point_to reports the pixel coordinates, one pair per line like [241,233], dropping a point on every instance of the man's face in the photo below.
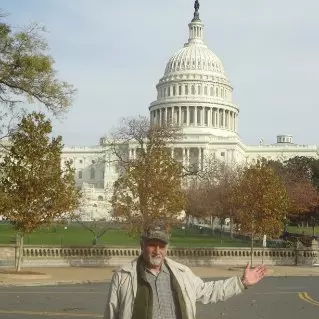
[154,251]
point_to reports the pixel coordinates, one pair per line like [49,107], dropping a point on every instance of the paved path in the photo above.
[275,297]
[53,276]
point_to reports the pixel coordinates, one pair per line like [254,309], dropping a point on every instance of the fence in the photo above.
[54,256]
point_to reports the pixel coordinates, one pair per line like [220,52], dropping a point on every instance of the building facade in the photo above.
[195,94]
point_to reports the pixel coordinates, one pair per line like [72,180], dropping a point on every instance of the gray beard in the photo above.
[155,261]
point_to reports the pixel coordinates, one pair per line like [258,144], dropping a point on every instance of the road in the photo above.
[282,297]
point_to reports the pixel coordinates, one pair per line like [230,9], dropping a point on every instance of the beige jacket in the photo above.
[123,289]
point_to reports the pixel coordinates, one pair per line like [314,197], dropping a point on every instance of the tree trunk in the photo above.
[20,253]
[251,249]
[221,233]
[231,224]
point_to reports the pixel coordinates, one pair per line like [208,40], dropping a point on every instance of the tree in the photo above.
[27,74]
[150,183]
[35,190]
[261,202]
[211,193]
[296,175]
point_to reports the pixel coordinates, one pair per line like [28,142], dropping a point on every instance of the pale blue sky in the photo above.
[114,52]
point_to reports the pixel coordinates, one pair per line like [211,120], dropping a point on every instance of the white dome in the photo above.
[194,92]
[195,58]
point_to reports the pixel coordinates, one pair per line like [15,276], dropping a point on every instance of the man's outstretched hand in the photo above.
[253,275]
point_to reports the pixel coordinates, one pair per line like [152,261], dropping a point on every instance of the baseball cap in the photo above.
[157,231]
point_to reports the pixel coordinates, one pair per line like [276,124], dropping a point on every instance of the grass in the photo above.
[303,230]
[76,235]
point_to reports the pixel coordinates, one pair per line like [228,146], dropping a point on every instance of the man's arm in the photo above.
[112,303]
[213,291]
[220,290]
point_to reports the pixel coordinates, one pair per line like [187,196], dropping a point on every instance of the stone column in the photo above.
[184,157]
[195,115]
[202,158]
[209,116]
[202,116]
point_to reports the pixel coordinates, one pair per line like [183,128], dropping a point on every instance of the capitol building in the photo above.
[195,94]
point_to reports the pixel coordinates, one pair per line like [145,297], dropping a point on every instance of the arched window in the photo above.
[80,174]
[193,89]
[212,91]
[199,90]
[174,90]
[180,90]
[186,89]
[205,90]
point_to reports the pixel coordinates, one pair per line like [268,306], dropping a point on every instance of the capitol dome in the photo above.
[195,58]
[194,92]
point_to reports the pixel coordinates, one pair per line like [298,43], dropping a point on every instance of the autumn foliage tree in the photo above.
[261,202]
[150,183]
[211,192]
[296,175]
[34,189]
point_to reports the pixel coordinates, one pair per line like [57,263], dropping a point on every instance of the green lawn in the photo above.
[76,235]
[303,230]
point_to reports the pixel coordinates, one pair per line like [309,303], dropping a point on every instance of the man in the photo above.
[156,287]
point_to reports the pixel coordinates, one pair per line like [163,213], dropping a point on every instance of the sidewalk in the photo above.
[73,275]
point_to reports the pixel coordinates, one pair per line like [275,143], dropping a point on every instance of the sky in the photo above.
[115,52]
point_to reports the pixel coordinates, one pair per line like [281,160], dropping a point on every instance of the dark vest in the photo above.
[143,303]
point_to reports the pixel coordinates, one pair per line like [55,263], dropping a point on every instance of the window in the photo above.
[169,91]
[180,90]
[193,89]
[80,174]
[199,113]
[174,90]
[199,90]
[92,173]
[81,161]
[100,198]
[186,89]
[93,161]
[184,113]
[205,90]
[222,154]
[212,91]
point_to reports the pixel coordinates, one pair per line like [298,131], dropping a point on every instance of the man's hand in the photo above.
[253,275]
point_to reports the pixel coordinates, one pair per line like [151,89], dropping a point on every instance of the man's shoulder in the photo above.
[172,263]
[127,268]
